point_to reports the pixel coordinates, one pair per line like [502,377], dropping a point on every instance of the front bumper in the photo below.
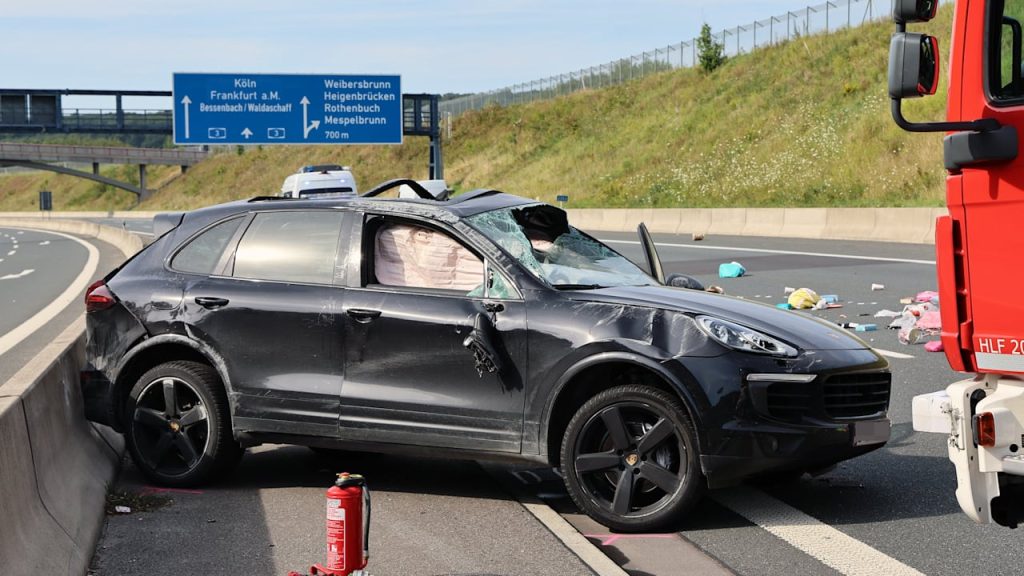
[766,415]
[761,448]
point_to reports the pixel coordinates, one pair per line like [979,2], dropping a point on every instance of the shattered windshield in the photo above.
[540,238]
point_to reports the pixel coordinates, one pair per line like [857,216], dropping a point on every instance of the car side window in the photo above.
[202,253]
[410,256]
[498,287]
[290,247]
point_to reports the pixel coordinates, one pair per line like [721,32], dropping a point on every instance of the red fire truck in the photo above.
[977,250]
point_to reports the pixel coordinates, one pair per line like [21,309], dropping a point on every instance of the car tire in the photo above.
[178,425]
[630,459]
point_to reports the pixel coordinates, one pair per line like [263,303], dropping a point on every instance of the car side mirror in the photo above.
[907,11]
[913,65]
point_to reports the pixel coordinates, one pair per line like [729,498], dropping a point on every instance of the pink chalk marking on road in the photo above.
[159,490]
[609,539]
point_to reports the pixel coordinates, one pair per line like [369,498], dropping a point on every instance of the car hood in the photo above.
[797,328]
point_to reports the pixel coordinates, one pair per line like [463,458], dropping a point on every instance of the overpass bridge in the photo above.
[31,111]
[41,156]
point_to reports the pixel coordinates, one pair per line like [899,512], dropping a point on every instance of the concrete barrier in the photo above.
[39,215]
[911,225]
[55,467]
[31,540]
[728,221]
[123,240]
[763,222]
[694,221]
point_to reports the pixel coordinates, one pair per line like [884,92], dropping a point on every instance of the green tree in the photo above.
[710,53]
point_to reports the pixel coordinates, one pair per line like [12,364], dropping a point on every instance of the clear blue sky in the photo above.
[435,45]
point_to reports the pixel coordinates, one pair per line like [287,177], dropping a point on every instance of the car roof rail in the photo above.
[385,186]
[474,195]
[268,198]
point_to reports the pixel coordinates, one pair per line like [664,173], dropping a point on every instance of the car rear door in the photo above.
[270,312]
[411,375]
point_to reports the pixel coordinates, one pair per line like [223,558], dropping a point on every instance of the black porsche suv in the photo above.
[480,326]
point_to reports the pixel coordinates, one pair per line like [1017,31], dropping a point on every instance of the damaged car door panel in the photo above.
[482,326]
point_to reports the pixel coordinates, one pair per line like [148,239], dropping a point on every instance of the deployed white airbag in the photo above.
[419,257]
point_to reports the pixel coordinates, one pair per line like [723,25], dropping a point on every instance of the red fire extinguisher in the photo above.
[348,527]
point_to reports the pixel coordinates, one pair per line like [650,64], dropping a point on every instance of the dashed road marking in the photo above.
[11,253]
[26,328]
[21,274]
[832,547]
[44,243]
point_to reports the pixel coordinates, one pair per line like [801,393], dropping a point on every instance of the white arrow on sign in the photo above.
[186,101]
[247,133]
[307,126]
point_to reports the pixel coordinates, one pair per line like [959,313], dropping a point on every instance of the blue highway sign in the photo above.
[287,109]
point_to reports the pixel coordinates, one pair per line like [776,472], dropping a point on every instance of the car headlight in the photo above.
[744,339]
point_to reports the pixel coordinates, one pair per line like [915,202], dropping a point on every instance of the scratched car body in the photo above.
[483,326]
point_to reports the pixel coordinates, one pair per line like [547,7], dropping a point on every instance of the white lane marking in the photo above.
[44,243]
[892,354]
[21,232]
[26,328]
[21,274]
[833,548]
[11,253]
[766,251]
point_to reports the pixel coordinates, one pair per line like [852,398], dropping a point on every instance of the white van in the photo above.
[320,181]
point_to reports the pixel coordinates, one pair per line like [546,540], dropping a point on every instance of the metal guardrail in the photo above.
[822,18]
[100,154]
[93,118]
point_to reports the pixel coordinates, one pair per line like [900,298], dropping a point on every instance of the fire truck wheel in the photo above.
[630,459]
[178,426]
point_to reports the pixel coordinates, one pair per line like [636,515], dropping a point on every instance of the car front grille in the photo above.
[834,397]
[790,401]
[856,395]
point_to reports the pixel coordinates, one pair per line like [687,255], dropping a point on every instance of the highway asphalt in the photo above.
[43,276]
[891,511]
[898,500]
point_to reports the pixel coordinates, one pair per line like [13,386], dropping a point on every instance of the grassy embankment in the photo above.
[801,124]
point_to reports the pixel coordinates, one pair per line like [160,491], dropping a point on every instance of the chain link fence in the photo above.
[822,18]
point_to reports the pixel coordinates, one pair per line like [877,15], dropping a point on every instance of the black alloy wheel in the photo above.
[178,427]
[630,459]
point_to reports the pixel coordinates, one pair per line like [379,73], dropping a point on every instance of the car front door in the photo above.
[269,311]
[435,341]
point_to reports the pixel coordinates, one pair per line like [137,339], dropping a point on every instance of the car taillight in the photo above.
[985,430]
[98,297]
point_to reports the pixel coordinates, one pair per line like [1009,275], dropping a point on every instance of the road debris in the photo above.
[877,287]
[803,298]
[731,270]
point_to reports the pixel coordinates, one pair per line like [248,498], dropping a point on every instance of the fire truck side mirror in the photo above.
[907,11]
[913,65]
